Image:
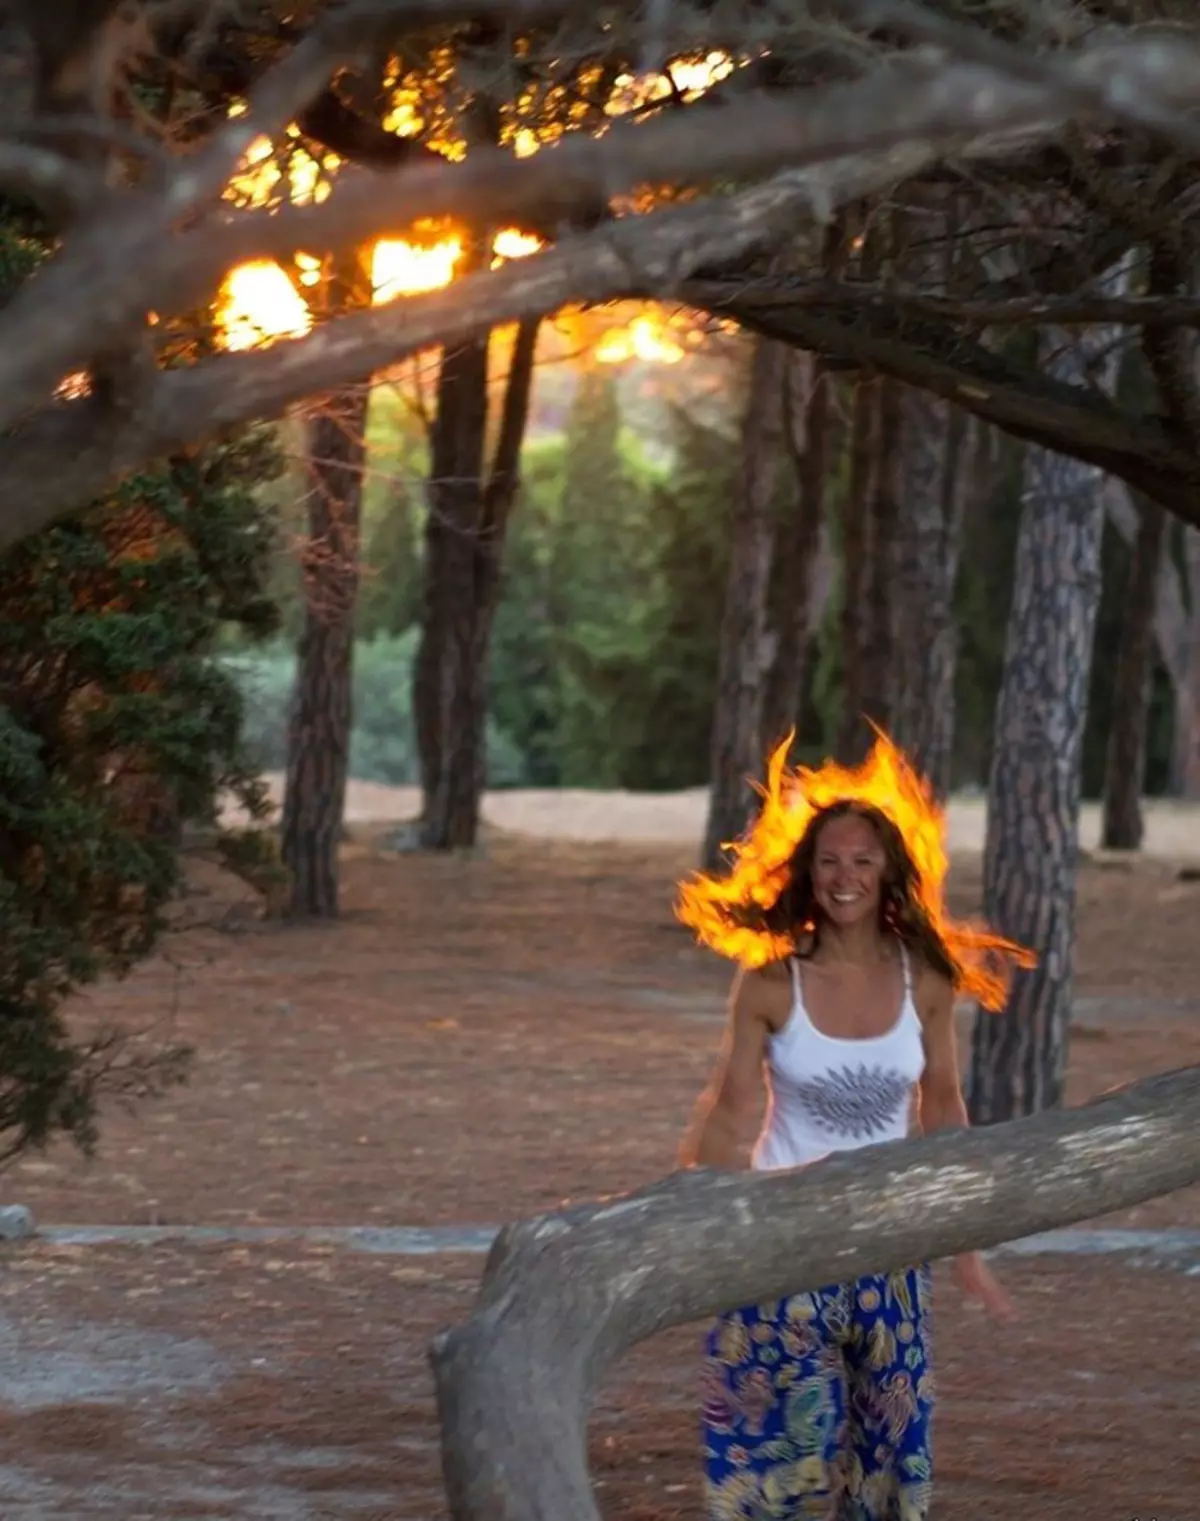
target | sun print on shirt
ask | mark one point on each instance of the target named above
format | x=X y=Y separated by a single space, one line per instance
x=857 y=1101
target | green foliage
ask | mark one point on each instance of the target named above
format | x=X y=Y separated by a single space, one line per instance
x=691 y=527
x=604 y=659
x=383 y=745
x=389 y=600
x=116 y=726
x=524 y=677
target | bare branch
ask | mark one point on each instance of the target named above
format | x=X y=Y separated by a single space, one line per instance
x=1080 y=310
x=107 y=278
x=1147 y=452
x=53 y=182
x=91 y=443
x=1082 y=90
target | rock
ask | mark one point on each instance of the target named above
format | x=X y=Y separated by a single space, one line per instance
x=404 y=839
x=16 y=1222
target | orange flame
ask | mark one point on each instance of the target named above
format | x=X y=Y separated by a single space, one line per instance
x=717 y=909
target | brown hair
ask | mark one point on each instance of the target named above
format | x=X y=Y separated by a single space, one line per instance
x=796 y=912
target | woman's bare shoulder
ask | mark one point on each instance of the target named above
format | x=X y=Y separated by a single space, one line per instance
x=930 y=983
x=764 y=993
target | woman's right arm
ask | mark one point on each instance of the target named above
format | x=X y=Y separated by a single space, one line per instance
x=731 y=1104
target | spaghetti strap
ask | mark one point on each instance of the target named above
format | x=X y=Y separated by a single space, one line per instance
x=907 y=965
x=797 y=990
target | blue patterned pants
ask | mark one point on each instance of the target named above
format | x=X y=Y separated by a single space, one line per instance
x=817 y=1408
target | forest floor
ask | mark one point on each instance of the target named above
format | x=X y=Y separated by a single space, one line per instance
x=477 y=1039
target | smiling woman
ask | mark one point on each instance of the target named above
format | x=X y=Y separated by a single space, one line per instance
x=844 y=1023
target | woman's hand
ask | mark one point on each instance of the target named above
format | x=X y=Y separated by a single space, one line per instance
x=977 y=1282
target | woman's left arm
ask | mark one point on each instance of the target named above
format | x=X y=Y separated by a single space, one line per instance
x=942 y=1107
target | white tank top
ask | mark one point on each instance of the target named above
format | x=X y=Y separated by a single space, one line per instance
x=830 y=1094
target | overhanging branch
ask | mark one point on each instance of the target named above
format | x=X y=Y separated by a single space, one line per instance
x=1078 y=310
x=1147 y=452
x=105 y=280
x=564 y=1296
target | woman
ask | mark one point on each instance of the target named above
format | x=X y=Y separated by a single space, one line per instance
x=819 y=1405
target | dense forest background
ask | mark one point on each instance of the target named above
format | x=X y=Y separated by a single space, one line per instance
x=604 y=662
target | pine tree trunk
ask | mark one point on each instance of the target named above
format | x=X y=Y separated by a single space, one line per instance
x=809 y=432
x=1176 y=633
x=883 y=523
x=468 y=517
x=1183 y=664
x=935 y=476
x=1185 y=742
x=443 y=685
x=1019 y=1056
x=743 y=657
x=1125 y=760
x=854 y=736
x=321 y=718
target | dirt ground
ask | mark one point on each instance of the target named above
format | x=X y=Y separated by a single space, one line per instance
x=475 y=1040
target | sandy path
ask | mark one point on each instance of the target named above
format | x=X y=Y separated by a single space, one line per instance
x=677 y=818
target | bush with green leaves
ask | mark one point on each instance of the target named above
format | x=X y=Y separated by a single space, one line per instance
x=605 y=653
x=117 y=726
x=383 y=744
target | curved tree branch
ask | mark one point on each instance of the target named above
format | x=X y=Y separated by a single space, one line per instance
x=914 y=111
x=564 y=1296
x=977 y=312
x=1150 y=453
x=68 y=453
x=1057 y=70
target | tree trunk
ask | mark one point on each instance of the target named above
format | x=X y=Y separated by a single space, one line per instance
x=468 y=517
x=1183 y=665
x=743 y=661
x=1185 y=740
x=883 y=521
x=321 y=718
x=443 y=667
x=935 y=480
x=1019 y=1056
x=1125 y=760
x=1177 y=633
x=564 y=1296
x=809 y=432
x=854 y=736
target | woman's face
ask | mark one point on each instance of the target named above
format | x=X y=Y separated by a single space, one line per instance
x=848 y=869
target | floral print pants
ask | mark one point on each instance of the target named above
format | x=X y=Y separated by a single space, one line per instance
x=817 y=1408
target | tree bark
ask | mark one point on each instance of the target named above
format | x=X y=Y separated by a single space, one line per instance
x=1177 y=633
x=854 y=735
x=456 y=467
x=935 y=481
x=809 y=429
x=1182 y=658
x=469 y=509
x=1125 y=759
x=883 y=523
x=564 y=1296
x=1019 y=1056
x=743 y=658
x=321 y=718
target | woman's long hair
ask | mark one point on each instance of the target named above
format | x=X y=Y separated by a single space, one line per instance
x=762 y=908
x=796 y=913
